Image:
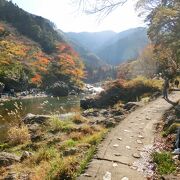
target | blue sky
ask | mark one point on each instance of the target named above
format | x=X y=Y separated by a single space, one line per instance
x=68 y=19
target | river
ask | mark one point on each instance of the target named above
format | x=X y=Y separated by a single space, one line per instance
x=12 y=111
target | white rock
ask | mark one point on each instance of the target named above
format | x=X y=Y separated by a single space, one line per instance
x=115 y=164
x=140 y=136
x=87 y=175
x=139 y=142
x=128 y=147
x=148 y=118
x=125 y=178
x=107 y=176
x=115 y=145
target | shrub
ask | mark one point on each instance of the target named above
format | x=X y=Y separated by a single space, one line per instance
x=126 y=91
x=18 y=135
x=172 y=128
x=58 y=125
x=78 y=119
x=164 y=162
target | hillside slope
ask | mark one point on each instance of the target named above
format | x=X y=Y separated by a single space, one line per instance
x=125 y=46
x=91 y=41
x=32 y=53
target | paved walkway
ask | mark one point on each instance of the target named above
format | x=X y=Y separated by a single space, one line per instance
x=116 y=153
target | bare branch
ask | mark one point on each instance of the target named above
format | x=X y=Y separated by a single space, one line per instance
x=100 y=7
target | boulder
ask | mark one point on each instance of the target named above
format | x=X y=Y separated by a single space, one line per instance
x=59 y=89
x=1 y=87
x=32 y=119
x=7 y=159
x=88 y=103
x=70 y=151
x=108 y=123
x=11 y=176
x=25 y=155
x=119 y=118
x=177 y=111
x=117 y=112
x=169 y=121
x=132 y=105
x=156 y=95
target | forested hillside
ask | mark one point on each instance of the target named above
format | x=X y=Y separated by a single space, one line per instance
x=35 y=27
x=32 y=53
x=96 y=69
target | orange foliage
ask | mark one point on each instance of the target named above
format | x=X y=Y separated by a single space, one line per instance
x=43 y=60
x=69 y=61
x=37 y=79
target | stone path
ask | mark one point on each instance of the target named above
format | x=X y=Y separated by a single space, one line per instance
x=122 y=146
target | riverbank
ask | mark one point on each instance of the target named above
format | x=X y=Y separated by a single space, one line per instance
x=19 y=97
x=47 y=146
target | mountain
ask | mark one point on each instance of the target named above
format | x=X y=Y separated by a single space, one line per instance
x=91 y=60
x=96 y=69
x=113 y=48
x=91 y=41
x=124 y=46
x=33 y=53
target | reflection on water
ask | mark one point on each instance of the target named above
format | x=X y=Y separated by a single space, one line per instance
x=11 y=111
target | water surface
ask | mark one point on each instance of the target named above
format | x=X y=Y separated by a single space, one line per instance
x=12 y=111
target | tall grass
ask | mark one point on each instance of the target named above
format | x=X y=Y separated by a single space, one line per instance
x=18 y=135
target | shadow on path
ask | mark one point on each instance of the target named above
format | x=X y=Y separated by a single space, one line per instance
x=171 y=102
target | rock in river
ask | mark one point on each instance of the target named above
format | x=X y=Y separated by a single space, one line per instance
x=59 y=89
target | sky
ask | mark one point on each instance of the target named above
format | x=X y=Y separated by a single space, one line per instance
x=67 y=18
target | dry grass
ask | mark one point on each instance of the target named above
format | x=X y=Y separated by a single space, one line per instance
x=76 y=136
x=48 y=160
x=87 y=129
x=64 y=169
x=78 y=119
x=45 y=154
x=95 y=138
x=18 y=135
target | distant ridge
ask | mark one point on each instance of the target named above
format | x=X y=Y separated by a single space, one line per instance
x=113 y=48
